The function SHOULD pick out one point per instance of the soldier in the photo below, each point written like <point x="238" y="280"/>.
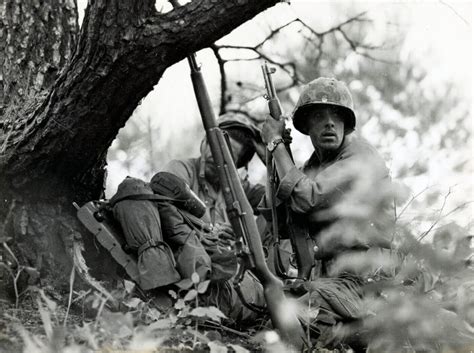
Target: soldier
<point x="201" y="173"/>
<point x="340" y="160"/>
<point x="206" y="252"/>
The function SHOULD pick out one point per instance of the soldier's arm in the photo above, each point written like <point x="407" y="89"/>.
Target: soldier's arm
<point x="254" y="193"/>
<point x="180" y="169"/>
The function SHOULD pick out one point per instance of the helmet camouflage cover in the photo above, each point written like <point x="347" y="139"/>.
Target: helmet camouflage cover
<point x="324" y="91"/>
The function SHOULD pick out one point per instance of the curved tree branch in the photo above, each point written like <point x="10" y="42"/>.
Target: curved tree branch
<point x="123" y="50"/>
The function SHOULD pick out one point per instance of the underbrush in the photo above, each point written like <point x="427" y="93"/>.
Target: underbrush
<point x="46" y="321"/>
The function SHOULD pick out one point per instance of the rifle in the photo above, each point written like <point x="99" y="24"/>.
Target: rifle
<point x="248" y="243"/>
<point x="297" y="225"/>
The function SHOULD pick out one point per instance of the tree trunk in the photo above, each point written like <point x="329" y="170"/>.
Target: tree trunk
<point x="55" y="152"/>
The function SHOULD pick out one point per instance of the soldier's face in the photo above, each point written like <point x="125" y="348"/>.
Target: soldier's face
<point x="326" y="127"/>
<point x="237" y="151"/>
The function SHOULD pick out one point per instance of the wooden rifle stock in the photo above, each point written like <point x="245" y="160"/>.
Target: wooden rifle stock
<point x="297" y="230"/>
<point x="240" y="213"/>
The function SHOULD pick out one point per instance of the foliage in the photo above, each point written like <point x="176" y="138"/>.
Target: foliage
<point x="418" y="295"/>
<point x="138" y="325"/>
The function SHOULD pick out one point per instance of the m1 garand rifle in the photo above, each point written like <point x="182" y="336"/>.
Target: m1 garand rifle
<point x="297" y="227"/>
<point x="248" y="243"/>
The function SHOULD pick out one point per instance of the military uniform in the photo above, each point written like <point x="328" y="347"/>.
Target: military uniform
<point x="190" y="171"/>
<point x="192" y="255"/>
<point x="324" y="190"/>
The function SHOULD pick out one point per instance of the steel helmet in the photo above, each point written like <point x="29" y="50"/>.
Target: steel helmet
<point x="326" y="91"/>
<point x="239" y="121"/>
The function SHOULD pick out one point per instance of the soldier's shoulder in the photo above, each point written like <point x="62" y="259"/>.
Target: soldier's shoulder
<point x="356" y="144"/>
<point x="178" y="163"/>
<point x="184" y="168"/>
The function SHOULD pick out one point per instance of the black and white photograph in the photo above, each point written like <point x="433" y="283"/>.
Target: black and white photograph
<point x="236" y="176"/>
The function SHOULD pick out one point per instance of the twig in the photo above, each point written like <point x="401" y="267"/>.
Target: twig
<point x="455" y="12"/>
<point x="71" y="286"/>
<point x="10" y="252"/>
<point x="221" y="62"/>
<point x="440" y="211"/>
<point x="99" y="311"/>
<point x="212" y="324"/>
<point x="276" y="31"/>
<point x="288" y="68"/>
<point x="411" y="200"/>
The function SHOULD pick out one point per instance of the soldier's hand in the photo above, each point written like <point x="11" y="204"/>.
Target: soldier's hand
<point x="272" y="129"/>
<point x="224" y="231"/>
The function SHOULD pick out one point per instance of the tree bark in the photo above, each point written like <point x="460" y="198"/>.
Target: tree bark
<point x="55" y="154"/>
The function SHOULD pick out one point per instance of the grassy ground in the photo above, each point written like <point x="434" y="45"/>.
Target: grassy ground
<point x="42" y="323"/>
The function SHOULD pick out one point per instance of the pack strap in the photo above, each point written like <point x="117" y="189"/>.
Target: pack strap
<point x="151" y="243"/>
<point x="149" y="197"/>
<point x="194" y="222"/>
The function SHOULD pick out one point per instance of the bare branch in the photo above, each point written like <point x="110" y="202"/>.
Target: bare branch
<point x="313" y="38"/>
<point x="276" y="31"/>
<point x="440" y="211"/>
<point x="221" y="62"/>
<point x="411" y="200"/>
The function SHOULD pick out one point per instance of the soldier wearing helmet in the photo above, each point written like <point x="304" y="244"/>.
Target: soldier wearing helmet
<point x="325" y="112"/>
<point x="197" y="254"/>
<point x="201" y="173"/>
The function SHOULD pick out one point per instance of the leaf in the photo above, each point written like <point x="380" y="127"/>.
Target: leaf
<point x="238" y="349"/>
<point x="129" y="285"/>
<point x="46" y="318"/>
<point x="86" y="334"/>
<point x="202" y="287"/>
<point x="33" y="273"/>
<point x="153" y="313"/>
<point x="211" y="312"/>
<point x="217" y="347"/>
<point x="185" y="283"/>
<point x="133" y="303"/>
<point x="180" y="304"/>
<point x="173" y="294"/>
<point x="195" y="278"/>
<point x="95" y="303"/>
<point x="190" y="295"/>
<point x="24" y="221"/>
<point x="117" y="324"/>
<point x="50" y="303"/>
<point x="197" y="334"/>
<point x="160" y="324"/>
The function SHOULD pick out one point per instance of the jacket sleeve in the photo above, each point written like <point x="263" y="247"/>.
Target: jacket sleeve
<point x="305" y="193"/>
<point x="254" y="193"/>
<point x="180" y="169"/>
<point x="311" y="190"/>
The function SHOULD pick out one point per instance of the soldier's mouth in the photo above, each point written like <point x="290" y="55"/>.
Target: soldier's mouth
<point x="329" y="135"/>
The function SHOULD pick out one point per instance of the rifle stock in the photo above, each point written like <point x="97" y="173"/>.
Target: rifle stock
<point x="240" y="213"/>
<point x="297" y="230"/>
